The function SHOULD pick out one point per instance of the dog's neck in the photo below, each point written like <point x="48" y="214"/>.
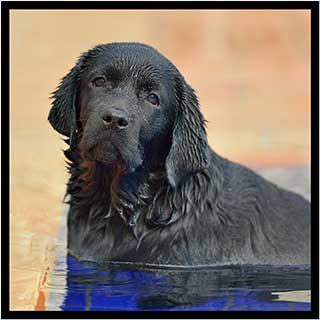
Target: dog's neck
<point x="143" y="192"/>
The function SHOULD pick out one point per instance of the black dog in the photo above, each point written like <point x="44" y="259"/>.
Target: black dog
<point x="145" y="187"/>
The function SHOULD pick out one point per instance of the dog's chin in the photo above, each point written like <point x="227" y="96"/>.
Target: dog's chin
<point x="114" y="159"/>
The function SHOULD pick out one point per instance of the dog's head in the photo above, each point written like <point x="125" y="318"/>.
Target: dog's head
<point x="126" y="105"/>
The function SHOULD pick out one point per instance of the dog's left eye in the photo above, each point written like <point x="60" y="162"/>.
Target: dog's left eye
<point x="154" y="99"/>
<point x="99" y="82"/>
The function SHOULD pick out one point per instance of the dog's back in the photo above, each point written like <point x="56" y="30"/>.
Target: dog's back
<point x="275" y="221"/>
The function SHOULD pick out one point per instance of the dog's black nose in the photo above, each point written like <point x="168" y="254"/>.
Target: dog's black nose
<point x="115" y="119"/>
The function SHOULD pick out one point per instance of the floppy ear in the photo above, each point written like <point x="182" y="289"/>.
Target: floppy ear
<point x="189" y="150"/>
<point x="62" y="115"/>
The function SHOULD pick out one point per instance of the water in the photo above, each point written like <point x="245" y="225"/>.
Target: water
<point x="90" y="287"/>
<point x="86" y="286"/>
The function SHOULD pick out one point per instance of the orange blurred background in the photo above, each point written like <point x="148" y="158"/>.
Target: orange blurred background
<point x="250" y="70"/>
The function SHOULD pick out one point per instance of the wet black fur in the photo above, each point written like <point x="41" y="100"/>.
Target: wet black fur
<point x="185" y="206"/>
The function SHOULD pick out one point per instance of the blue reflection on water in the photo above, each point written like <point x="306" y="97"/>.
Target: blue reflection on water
<point x="90" y="287"/>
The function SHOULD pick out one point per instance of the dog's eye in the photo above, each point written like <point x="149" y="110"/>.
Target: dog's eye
<point x="99" y="82"/>
<point x="154" y="99"/>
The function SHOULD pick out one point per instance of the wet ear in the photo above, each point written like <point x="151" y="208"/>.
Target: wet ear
<point x="189" y="151"/>
<point x="62" y="115"/>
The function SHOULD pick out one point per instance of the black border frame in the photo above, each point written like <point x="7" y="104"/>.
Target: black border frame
<point x="313" y="6"/>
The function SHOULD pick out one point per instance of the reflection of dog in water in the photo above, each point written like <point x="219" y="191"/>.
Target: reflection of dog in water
<point x="145" y="187"/>
<point x="225" y="288"/>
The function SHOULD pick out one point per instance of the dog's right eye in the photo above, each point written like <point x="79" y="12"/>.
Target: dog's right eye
<point x="99" y="82"/>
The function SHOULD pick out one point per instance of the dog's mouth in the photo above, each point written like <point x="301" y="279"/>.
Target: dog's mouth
<point x="110" y="155"/>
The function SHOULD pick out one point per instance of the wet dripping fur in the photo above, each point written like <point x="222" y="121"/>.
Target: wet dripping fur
<point x="146" y="188"/>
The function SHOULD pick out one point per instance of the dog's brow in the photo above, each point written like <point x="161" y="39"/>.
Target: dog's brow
<point x="110" y="71"/>
<point x="147" y="84"/>
<point x="113" y="73"/>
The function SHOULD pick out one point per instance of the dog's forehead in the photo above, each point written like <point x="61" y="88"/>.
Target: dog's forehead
<point x="134" y="59"/>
